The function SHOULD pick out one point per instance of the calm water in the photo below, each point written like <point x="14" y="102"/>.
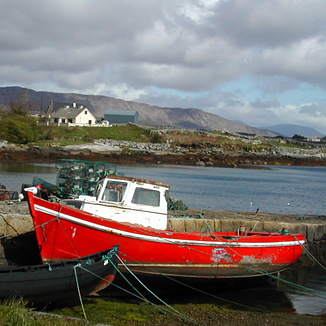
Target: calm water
<point x="289" y="190"/>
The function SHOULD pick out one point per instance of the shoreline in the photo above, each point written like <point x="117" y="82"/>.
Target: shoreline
<point x="191" y="159"/>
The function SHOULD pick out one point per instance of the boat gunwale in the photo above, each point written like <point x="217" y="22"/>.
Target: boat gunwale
<point x="166" y="236"/>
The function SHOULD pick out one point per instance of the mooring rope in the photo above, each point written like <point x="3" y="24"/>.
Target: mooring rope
<point x="166" y="239"/>
<point x="199" y="251"/>
<point x="301" y="287"/>
<point x="8" y="235"/>
<point x="141" y="296"/>
<point x="235" y="251"/>
<point x="252" y="267"/>
<point x="70" y="242"/>
<point x="17" y="233"/>
<point x="151" y="292"/>
<point x="107" y="256"/>
<point x="57" y="219"/>
<point x="9" y="224"/>
<point x="311" y="256"/>
<point x="78" y="289"/>
<point x="196" y="289"/>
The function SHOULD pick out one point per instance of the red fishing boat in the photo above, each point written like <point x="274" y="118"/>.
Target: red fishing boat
<point x="133" y="213"/>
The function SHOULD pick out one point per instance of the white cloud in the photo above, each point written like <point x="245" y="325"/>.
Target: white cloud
<point x="122" y="91"/>
<point x="198" y="11"/>
<point x="311" y="114"/>
<point x="304" y="61"/>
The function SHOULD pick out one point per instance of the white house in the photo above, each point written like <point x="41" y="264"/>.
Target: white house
<point x="72" y="116"/>
<point x="314" y="139"/>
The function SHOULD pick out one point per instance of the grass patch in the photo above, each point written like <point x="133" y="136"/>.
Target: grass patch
<point x="114" y="312"/>
<point x="128" y="132"/>
<point x="287" y="144"/>
<point x="15" y="313"/>
<point x="55" y="136"/>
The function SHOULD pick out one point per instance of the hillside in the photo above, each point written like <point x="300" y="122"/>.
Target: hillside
<point x="148" y="115"/>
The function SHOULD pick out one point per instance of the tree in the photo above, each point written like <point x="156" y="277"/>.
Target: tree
<point x="298" y="137"/>
<point x="16" y="125"/>
<point x="18" y="129"/>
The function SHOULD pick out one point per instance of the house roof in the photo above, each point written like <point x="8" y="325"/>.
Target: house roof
<point x="68" y="112"/>
<point x="59" y="105"/>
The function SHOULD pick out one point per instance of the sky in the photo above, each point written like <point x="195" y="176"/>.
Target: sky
<point x="261" y="62"/>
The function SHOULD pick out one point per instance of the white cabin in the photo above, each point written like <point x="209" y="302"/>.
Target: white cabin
<point x="126" y="199"/>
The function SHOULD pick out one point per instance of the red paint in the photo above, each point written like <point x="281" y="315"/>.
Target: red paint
<point x="223" y="254"/>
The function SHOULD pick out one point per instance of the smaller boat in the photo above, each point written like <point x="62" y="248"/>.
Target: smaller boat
<point x="59" y="283"/>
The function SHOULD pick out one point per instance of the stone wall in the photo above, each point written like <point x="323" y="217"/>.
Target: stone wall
<point x="313" y="231"/>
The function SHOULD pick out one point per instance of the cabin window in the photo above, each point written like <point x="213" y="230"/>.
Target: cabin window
<point x="146" y="197"/>
<point x="114" y="191"/>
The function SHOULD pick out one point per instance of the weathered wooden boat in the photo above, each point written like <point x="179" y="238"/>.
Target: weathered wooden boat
<point x="133" y="213"/>
<point x="59" y="283"/>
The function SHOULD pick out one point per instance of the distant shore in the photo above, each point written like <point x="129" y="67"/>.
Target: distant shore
<point x="147" y="157"/>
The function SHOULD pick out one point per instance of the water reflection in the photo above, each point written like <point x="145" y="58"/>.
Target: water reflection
<point x="310" y="296"/>
<point x="256" y="294"/>
<point x="20" y="167"/>
<point x="14" y="175"/>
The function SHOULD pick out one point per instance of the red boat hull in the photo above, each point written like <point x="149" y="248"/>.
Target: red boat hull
<point x="64" y="232"/>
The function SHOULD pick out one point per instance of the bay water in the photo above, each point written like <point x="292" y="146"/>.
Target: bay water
<point x="274" y="189"/>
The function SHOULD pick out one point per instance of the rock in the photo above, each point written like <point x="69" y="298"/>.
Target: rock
<point x="200" y="163"/>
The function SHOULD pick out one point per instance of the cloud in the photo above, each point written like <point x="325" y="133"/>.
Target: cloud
<point x="178" y="53"/>
<point x="304" y="61"/>
<point x="312" y="114"/>
<point x="254" y="113"/>
<point x="265" y="23"/>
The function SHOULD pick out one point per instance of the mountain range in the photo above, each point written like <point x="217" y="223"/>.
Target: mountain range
<point x="149" y="115"/>
<point x="289" y="130"/>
